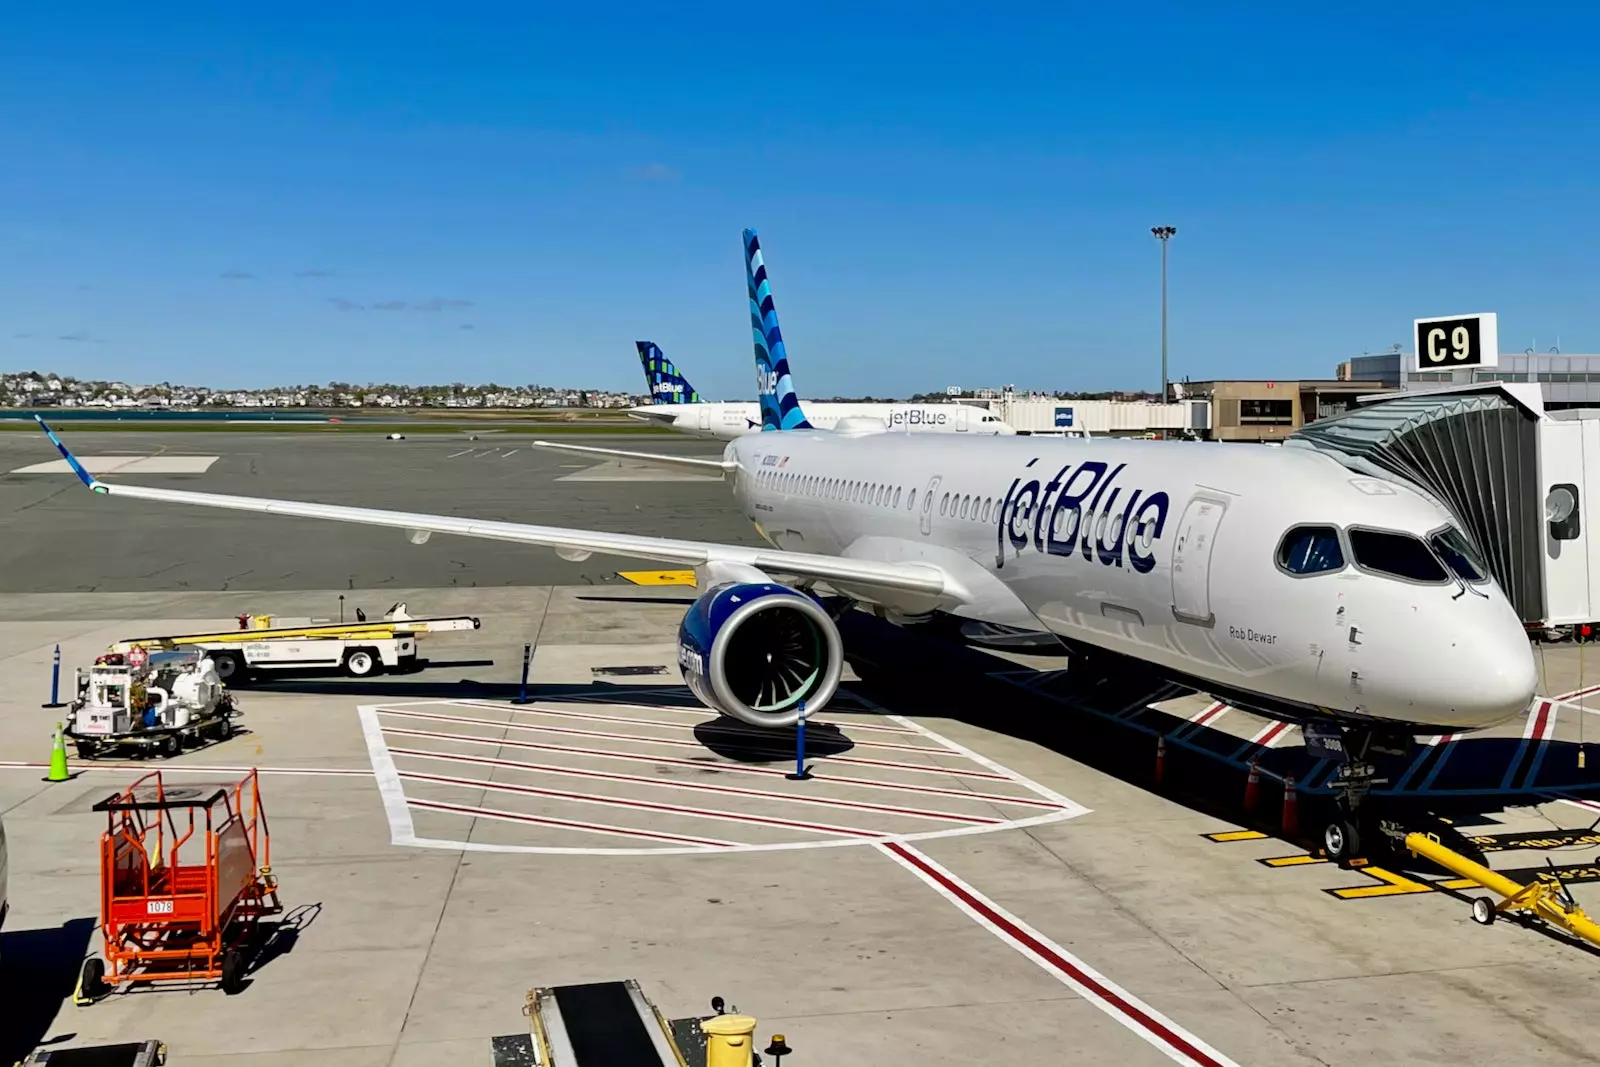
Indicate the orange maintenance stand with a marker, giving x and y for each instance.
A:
(185, 877)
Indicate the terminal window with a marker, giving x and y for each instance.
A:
(1266, 411)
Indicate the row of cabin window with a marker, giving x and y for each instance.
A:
(981, 509)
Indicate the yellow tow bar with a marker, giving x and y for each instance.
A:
(1545, 897)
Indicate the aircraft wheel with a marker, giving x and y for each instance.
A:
(1483, 911)
(1341, 840)
(171, 745)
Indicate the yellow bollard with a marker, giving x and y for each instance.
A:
(729, 1040)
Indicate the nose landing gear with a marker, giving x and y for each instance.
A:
(1355, 825)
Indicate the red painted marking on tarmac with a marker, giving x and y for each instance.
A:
(640, 805)
(1165, 1036)
(721, 768)
(1206, 715)
(744, 730)
(697, 711)
(700, 787)
(1269, 736)
(779, 753)
(1541, 724)
(1578, 693)
(566, 824)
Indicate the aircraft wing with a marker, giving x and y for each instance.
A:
(918, 578)
(691, 462)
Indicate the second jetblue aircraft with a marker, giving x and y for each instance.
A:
(674, 401)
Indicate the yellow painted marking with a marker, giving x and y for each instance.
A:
(1457, 883)
(1395, 885)
(658, 577)
(1293, 861)
(1235, 835)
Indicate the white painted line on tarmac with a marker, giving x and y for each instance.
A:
(390, 790)
(698, 712)
(722, 768)
(779, 753)
(402, 833)
(463, 452)
(731, 728)
(1162, 1033)
(513, 452)
(1271, 735)
(1207, 716)
(607, 801)
(699, 787)
(569, 824)
(1000, 770)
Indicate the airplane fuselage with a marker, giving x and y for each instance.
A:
(1171, 553)
(725, 420)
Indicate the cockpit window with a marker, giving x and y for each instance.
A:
(1311, 550)
(1459, 555)
(1399, 554)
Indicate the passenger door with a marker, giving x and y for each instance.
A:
(1191, 560)
(961, 420)
(927, 504)
(705, 416)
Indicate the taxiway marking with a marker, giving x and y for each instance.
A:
(779, 752)
(698, 787)
(1161, 1032)
(721, 768)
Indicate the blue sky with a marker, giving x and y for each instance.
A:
(947, 194)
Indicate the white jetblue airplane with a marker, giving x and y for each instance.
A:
(675, 402)
(1274, 579)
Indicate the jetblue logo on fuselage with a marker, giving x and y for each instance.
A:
(1082, 511)
(917, 417)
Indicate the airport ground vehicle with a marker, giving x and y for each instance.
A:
(158, 701)
(166, 913)
(264, 643)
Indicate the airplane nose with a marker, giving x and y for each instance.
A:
(1497, 677)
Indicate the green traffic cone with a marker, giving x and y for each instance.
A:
(58, 758)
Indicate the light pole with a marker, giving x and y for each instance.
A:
(1163, 234)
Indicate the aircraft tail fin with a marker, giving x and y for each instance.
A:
(667, 386)
(780, 406)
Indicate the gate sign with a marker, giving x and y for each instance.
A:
(1458, 341)
(1063, 418)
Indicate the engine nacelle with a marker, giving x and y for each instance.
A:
(754, 650)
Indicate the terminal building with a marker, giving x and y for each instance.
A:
(1565, 381)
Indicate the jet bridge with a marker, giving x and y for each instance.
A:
(1518, 479)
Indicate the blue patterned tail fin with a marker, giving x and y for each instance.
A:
(780, 407)
(667, 386)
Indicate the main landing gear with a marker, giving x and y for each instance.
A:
(1356, 826)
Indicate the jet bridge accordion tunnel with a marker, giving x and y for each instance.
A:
(1515, 476)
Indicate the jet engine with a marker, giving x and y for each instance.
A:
(754, 650)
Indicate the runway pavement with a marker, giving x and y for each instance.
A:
(55, 537)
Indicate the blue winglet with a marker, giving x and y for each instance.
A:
(72, 461)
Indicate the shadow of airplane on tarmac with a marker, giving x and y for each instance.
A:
(38, 972)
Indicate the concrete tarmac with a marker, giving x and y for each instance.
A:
(978, 869)
(57, 537)
(1025, 901)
